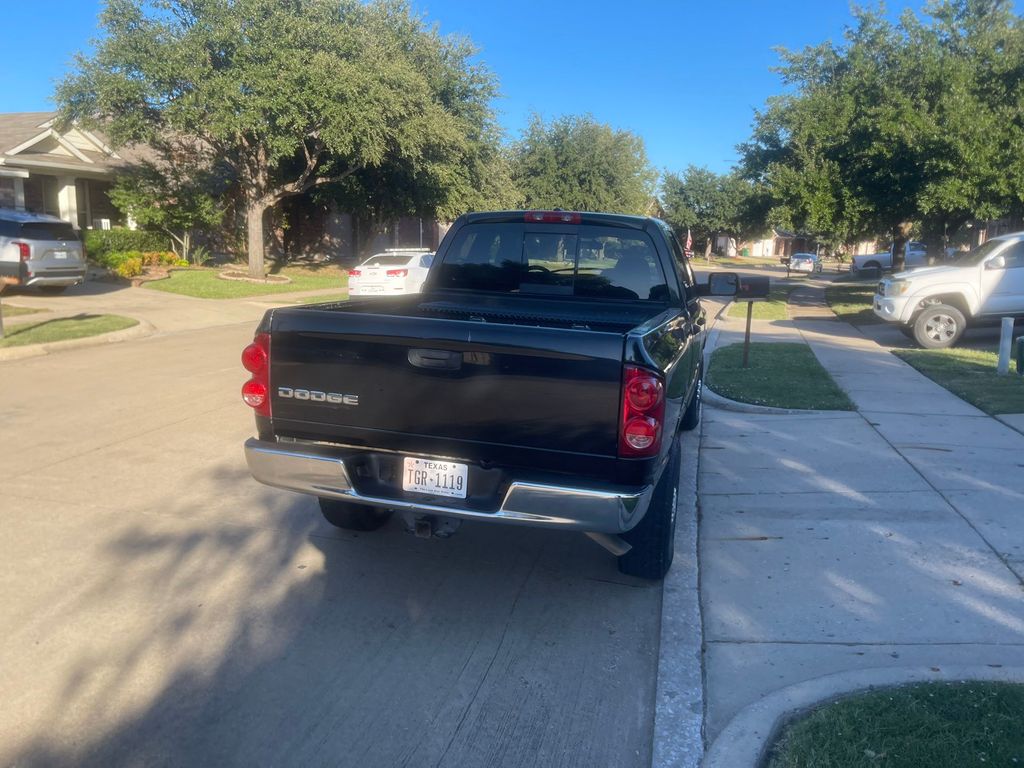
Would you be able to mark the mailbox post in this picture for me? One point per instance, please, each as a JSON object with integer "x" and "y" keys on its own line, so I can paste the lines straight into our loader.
{"x": 751, "y": 289}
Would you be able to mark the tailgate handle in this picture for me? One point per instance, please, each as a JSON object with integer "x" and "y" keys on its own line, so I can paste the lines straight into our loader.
{"x": 437, "y": 359}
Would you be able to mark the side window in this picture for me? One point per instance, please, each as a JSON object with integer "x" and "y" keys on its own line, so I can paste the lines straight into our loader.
{"x": 1014, "y": 255}
{"x": 427, "y": 260}
{"x": 686, "y": 275}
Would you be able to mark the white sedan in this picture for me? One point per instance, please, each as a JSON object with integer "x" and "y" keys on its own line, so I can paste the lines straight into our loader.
{"x": 805, "y": 262}
{"x": 395, "y": 272}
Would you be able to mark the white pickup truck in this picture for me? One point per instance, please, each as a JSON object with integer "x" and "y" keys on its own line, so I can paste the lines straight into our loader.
{"x": 934, "y": 305}
{"x": 916, "y": 255}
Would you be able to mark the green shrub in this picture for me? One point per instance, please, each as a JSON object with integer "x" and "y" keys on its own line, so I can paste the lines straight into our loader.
{"x": 99, "y": 242}
{"x": 162, "y": 259}
{"x": 128, "y": 267}
{"x": 123, "y": 263}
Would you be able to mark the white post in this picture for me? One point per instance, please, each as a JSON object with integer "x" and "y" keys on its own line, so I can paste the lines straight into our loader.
{"x": 67, "y": 199}
{"x": 1005, "y": 342}
{"x": 19, "y": 193}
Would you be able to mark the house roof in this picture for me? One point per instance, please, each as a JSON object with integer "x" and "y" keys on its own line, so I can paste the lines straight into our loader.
{"x": 25, "y": 136}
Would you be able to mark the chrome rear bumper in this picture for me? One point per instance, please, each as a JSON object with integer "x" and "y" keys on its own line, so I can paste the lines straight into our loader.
{"x": 321, "y": 471}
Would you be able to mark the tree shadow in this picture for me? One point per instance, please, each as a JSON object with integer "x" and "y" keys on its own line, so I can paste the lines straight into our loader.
{"x": 261, "y": 636}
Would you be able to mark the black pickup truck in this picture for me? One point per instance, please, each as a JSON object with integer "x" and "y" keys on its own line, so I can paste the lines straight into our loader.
{"x": 539, "y": 379}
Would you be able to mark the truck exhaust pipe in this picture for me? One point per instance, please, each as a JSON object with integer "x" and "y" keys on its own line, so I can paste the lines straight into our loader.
{"x": 617, "y": 545}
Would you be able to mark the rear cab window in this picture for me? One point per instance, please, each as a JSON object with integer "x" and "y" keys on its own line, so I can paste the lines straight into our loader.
{"x": 46, "y": 230}
{"x": 589, "y": 261}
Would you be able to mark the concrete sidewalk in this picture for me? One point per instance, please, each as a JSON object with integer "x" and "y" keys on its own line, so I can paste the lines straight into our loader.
{"x": 841, "y": 542}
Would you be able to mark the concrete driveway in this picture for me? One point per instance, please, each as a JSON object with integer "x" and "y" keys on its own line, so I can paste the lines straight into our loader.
{"x": 161, "y": 608}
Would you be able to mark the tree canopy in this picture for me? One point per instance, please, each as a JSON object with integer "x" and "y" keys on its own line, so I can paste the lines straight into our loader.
{"x": 915, "y": 122}
{"x": 295, "y": 95}
{"x": 705, "y": 203}
{"x": 577, "y": 163}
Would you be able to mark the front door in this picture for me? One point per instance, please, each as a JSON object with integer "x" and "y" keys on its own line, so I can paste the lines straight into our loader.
{"x": 1003, "y": 289}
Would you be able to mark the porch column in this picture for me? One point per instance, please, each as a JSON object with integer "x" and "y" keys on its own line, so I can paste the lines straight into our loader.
{"x": 19, "y": 193}
{"x": 67, "y": 199}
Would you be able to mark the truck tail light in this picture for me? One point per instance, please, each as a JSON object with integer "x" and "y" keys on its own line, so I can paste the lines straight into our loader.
{"x": 354, "y": 273}
{"x": 256, "y": 360}
{"x": 643, "y": 412}
{"x": 23, "y": 252}
{"x": 398, "y": 272}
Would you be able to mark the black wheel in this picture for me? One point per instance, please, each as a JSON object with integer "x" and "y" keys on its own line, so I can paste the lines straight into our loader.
{"x": 353, "y": 517}
{"x": 939, "y": 326}
{"x": 653, "y": 540}
{"x": 691, "y": 416}
{"x": 874, "y": 268}
{"x": 53, "y": 289}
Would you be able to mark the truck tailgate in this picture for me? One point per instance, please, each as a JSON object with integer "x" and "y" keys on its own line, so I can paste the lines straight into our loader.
{"x": 469, "y": 384}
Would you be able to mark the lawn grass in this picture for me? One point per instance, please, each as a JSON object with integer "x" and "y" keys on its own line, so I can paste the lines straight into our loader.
{"x": 734, "y": 261}
{"x": 772, "y": 309}
{"x": 781, "y": 375}
{"x": 10, "y": 310}
{"x": 970, "y": 374}
{"x": 64, "y": 328}
{"x": 852, "y": 302}
{"x": 204, "y": 283}
{"x": 933, "y": 725}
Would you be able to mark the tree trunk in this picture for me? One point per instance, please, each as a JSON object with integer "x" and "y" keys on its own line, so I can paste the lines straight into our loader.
{"x": 254, "y": 214}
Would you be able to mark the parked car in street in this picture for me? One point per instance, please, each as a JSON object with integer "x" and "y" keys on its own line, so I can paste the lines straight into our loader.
{"x": 805, "y": 262}
{"x": 39, "y": 251}
{"x": 915, "y": 255}
{"x": 934, "y": 305}
{"x": 394, "y": 272}
{"x": 540, "y": 379}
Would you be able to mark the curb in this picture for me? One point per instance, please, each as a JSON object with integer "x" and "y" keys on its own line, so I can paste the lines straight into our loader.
{"x": 678, "y": 740}
{"x": 745, "y": 741}
{"x": 141, "y": 328}
{"x": 718, "y": 401}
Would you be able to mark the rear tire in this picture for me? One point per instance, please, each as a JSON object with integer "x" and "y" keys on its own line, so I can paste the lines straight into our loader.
{"x": 939, "y": 326}
{"x": 874, "y": 268}
{"x": 691, "y": 416}
{"x": 653, "y": 540}
{"x": 353, "y": 517}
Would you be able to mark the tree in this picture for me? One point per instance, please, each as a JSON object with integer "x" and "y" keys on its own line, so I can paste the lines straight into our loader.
{"x": 706, "y": 203}
{"x": 577, "y": 163}
{"x": 291, "y": 96}
{"x": 177, "y": 198}
{"x": 916, "y": 123}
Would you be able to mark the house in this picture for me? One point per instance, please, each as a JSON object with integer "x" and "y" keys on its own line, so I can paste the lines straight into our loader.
{"x": 780, "y": 243}
{"x": 65, "y": 173}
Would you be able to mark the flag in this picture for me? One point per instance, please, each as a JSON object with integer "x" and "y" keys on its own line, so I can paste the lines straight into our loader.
{"x": 689, "y": 240}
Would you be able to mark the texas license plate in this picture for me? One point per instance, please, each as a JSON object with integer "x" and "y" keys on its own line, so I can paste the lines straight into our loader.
{"x": 60, "y": 254}
{"x": 440, "y": 478}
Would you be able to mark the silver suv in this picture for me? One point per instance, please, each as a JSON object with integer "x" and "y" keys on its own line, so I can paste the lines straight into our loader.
{"x": 39, "y": 251}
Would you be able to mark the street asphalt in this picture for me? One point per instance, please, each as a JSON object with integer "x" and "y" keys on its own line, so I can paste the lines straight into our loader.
{"x": 162, "y": 608}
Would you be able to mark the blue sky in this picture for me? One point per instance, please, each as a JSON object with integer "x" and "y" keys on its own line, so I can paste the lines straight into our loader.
{"x": 686, "y": 75}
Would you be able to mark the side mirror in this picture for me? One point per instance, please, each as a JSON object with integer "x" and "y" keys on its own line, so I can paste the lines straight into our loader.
{"x": 996, "y": 262}
{"x": 720, "y": 284}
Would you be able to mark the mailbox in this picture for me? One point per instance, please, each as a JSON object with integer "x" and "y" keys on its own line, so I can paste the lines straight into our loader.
{"x": 752, "y": 288}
